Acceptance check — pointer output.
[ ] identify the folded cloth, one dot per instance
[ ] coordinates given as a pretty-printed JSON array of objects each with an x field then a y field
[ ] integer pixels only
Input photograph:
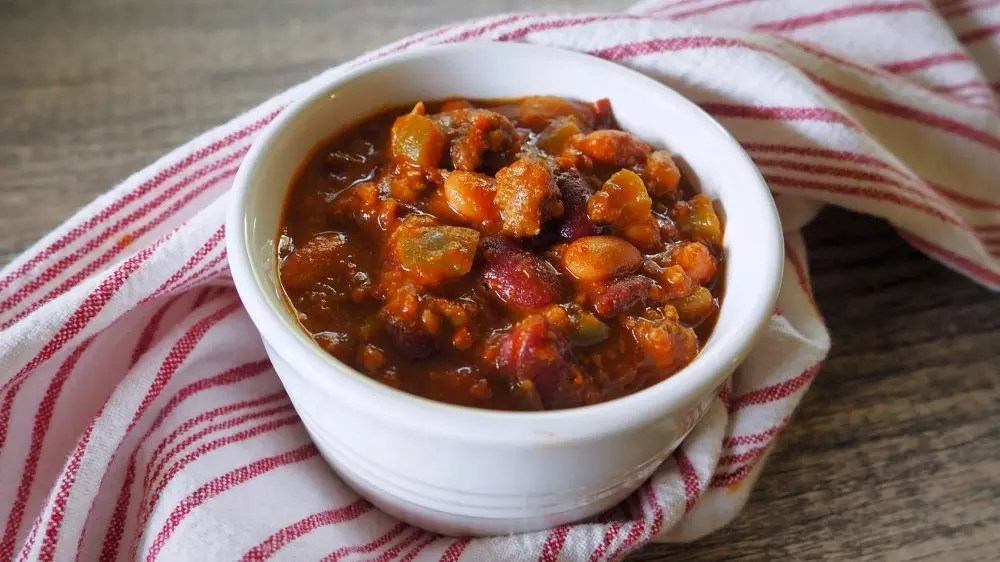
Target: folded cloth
[{"x": 139, "y": 417}]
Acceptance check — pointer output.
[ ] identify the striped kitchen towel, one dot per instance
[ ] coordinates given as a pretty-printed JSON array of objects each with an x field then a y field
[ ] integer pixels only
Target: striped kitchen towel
[{"x": 140, "y": 419}]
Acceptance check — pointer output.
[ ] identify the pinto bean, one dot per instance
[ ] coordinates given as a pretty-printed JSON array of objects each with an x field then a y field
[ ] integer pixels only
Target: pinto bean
[
  {"x": 471, "y": 195},
  {"x": 595, "y": 258}
]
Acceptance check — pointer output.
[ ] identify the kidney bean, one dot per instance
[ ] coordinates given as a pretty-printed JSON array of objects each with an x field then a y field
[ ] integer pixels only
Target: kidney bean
[
  {"x": 521, "y": 279},
  {"x": 535, "y": 351},
  {"x": 622, "y": 294},
  {"x": 575, "y": 194}
]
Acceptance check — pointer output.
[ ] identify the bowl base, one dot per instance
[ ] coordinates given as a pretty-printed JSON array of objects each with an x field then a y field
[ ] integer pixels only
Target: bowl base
[{"x": 454, "y": 525}]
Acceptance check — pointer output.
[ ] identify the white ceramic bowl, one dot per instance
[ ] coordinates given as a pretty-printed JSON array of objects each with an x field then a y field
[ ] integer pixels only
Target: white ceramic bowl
[{"x": 458, "y": 470}]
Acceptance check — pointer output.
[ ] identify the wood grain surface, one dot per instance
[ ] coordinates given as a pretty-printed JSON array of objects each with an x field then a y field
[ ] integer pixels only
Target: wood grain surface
[{"x": 895, "y": 452}]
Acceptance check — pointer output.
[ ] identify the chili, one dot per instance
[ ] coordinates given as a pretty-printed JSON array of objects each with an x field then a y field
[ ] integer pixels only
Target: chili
[{"x": 518, "y": 254}]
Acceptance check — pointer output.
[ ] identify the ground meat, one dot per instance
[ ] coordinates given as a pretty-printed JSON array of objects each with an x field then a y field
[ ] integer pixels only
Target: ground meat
[
  {"x": 359, "y": 204},
  {"x": 527, "y": 196},
  {"x": 621, "y": 201},
  {"x": 418, "y": 325},
  {"x": 662, "y": 176},
  {"x": 538, "y": 112},
  {"x": 613, "y": 148},
  {"x": 328, "y": 258},
  {"x": 697, "y": 261},
  {"x": 666, "y": 342},
  {"x": 624, "y": 203},
  {"x": 474, "y": 134}
]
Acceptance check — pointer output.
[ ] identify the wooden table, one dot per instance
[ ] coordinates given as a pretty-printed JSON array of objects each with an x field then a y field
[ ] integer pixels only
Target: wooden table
[{"x": 895, "y": 453}]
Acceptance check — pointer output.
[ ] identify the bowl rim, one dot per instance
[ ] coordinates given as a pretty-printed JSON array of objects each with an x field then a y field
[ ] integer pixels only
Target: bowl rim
[{"x": 692, "y": 383}]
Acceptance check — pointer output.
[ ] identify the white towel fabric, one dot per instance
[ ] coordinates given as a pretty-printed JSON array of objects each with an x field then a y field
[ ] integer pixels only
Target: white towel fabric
[{"x": 139, "y": 417}]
